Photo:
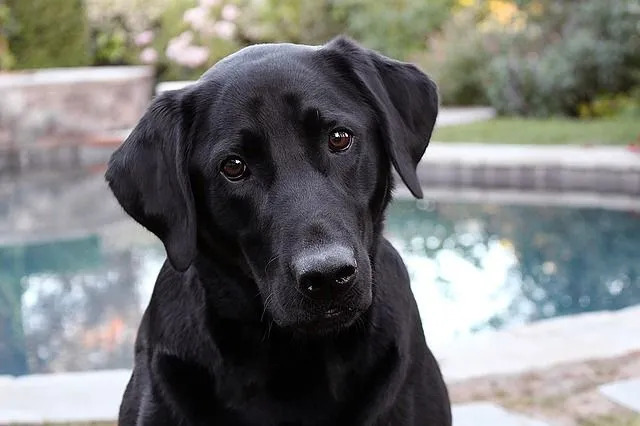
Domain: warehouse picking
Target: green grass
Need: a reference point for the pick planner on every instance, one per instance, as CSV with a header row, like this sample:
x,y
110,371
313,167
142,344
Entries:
x,y
619,131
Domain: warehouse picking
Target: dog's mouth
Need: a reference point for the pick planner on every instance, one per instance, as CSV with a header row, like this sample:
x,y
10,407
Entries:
x,y
334,313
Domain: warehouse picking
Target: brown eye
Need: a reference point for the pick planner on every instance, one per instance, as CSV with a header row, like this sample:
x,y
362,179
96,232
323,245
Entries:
x,y
340,140
233,168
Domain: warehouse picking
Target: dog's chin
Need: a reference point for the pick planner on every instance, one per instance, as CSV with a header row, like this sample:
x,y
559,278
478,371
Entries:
x,y
328,323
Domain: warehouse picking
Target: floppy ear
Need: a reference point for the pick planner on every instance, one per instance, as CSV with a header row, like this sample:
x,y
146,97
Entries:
x,y
404,98
149,177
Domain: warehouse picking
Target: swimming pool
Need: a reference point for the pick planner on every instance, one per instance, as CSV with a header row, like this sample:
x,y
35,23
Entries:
x,y
75,273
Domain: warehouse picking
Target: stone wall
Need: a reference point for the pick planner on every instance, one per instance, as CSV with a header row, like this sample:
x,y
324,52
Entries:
x,y
102,98
46,116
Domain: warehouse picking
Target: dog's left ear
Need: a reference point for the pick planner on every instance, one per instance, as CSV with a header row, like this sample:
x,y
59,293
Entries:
x,y
149,176
404,98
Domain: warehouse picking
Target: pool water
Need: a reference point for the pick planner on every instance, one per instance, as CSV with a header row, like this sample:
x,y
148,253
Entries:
x,y
76,274
481,267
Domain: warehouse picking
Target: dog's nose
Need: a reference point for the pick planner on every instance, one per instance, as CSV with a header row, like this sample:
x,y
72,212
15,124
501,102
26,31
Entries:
x,y
326,272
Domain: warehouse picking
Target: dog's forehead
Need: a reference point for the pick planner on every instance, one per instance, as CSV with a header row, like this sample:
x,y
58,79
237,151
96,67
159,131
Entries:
x,y
261,83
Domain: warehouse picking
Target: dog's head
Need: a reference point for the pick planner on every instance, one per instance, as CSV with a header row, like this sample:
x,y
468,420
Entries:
x,y
278,161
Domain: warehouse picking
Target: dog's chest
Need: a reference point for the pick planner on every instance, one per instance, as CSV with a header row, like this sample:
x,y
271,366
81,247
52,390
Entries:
x,y
294,390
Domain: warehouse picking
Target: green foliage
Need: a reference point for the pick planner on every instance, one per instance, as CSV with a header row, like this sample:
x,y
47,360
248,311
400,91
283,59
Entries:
x,y
304,21
7,25
457,60
51,33
111,47
618,105
397,28
567,56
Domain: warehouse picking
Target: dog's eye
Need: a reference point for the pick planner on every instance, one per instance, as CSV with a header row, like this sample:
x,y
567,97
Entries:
x,y
340,140
233,168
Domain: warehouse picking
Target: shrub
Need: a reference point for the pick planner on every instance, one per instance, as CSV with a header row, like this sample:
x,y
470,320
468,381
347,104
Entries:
x,y
115,24
397,28
457,59
618,105
50,33
566,57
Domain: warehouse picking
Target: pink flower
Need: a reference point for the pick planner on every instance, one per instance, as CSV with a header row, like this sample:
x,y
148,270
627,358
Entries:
x,y
224,29
193,56
181,51
149,55
196,17
230,12
177,44
144,38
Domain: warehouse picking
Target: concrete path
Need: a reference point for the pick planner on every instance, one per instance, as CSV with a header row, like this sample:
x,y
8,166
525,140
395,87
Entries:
x,y
450,116
65,397
625,393
487,414
543,344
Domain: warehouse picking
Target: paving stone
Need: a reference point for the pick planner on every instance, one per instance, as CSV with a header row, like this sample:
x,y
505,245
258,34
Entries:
x,y
518,349
8,417
624,392
487,414
64,397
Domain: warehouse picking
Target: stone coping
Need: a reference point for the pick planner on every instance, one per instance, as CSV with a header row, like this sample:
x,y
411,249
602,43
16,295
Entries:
x,y
560,168
501,155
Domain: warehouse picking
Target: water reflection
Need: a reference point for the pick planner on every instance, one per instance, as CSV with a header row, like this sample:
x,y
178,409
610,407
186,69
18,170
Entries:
x,y
499,265
75,273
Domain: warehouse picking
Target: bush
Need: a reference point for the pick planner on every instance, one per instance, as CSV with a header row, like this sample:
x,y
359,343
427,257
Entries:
x,y
618,105
457,59
50,33
566,57
116,23
397,28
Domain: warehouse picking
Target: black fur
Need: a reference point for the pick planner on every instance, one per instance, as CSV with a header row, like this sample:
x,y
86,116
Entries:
x,y
228,337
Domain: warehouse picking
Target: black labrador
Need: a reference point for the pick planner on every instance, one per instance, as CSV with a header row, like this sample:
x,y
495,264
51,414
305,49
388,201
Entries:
x,y
281,303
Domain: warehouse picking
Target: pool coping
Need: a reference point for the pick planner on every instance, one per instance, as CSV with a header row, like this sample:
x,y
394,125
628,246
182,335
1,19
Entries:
x,y
551,169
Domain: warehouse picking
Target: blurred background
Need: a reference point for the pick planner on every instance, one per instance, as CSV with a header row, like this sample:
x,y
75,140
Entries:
x,y
524,255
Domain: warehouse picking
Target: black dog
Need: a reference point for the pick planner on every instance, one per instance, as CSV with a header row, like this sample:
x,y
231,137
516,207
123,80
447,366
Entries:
x,y
281,303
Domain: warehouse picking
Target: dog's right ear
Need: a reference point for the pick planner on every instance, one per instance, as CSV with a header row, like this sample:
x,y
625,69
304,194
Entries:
x,y
149,176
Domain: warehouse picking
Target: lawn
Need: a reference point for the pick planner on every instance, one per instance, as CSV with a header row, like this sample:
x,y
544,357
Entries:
x,y
619,131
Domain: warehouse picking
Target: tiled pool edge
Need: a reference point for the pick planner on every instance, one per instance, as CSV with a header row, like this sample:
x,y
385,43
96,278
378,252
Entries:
x,y
550,169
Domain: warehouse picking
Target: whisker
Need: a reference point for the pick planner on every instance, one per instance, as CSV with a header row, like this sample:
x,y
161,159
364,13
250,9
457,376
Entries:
x,y
274,258
266,304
